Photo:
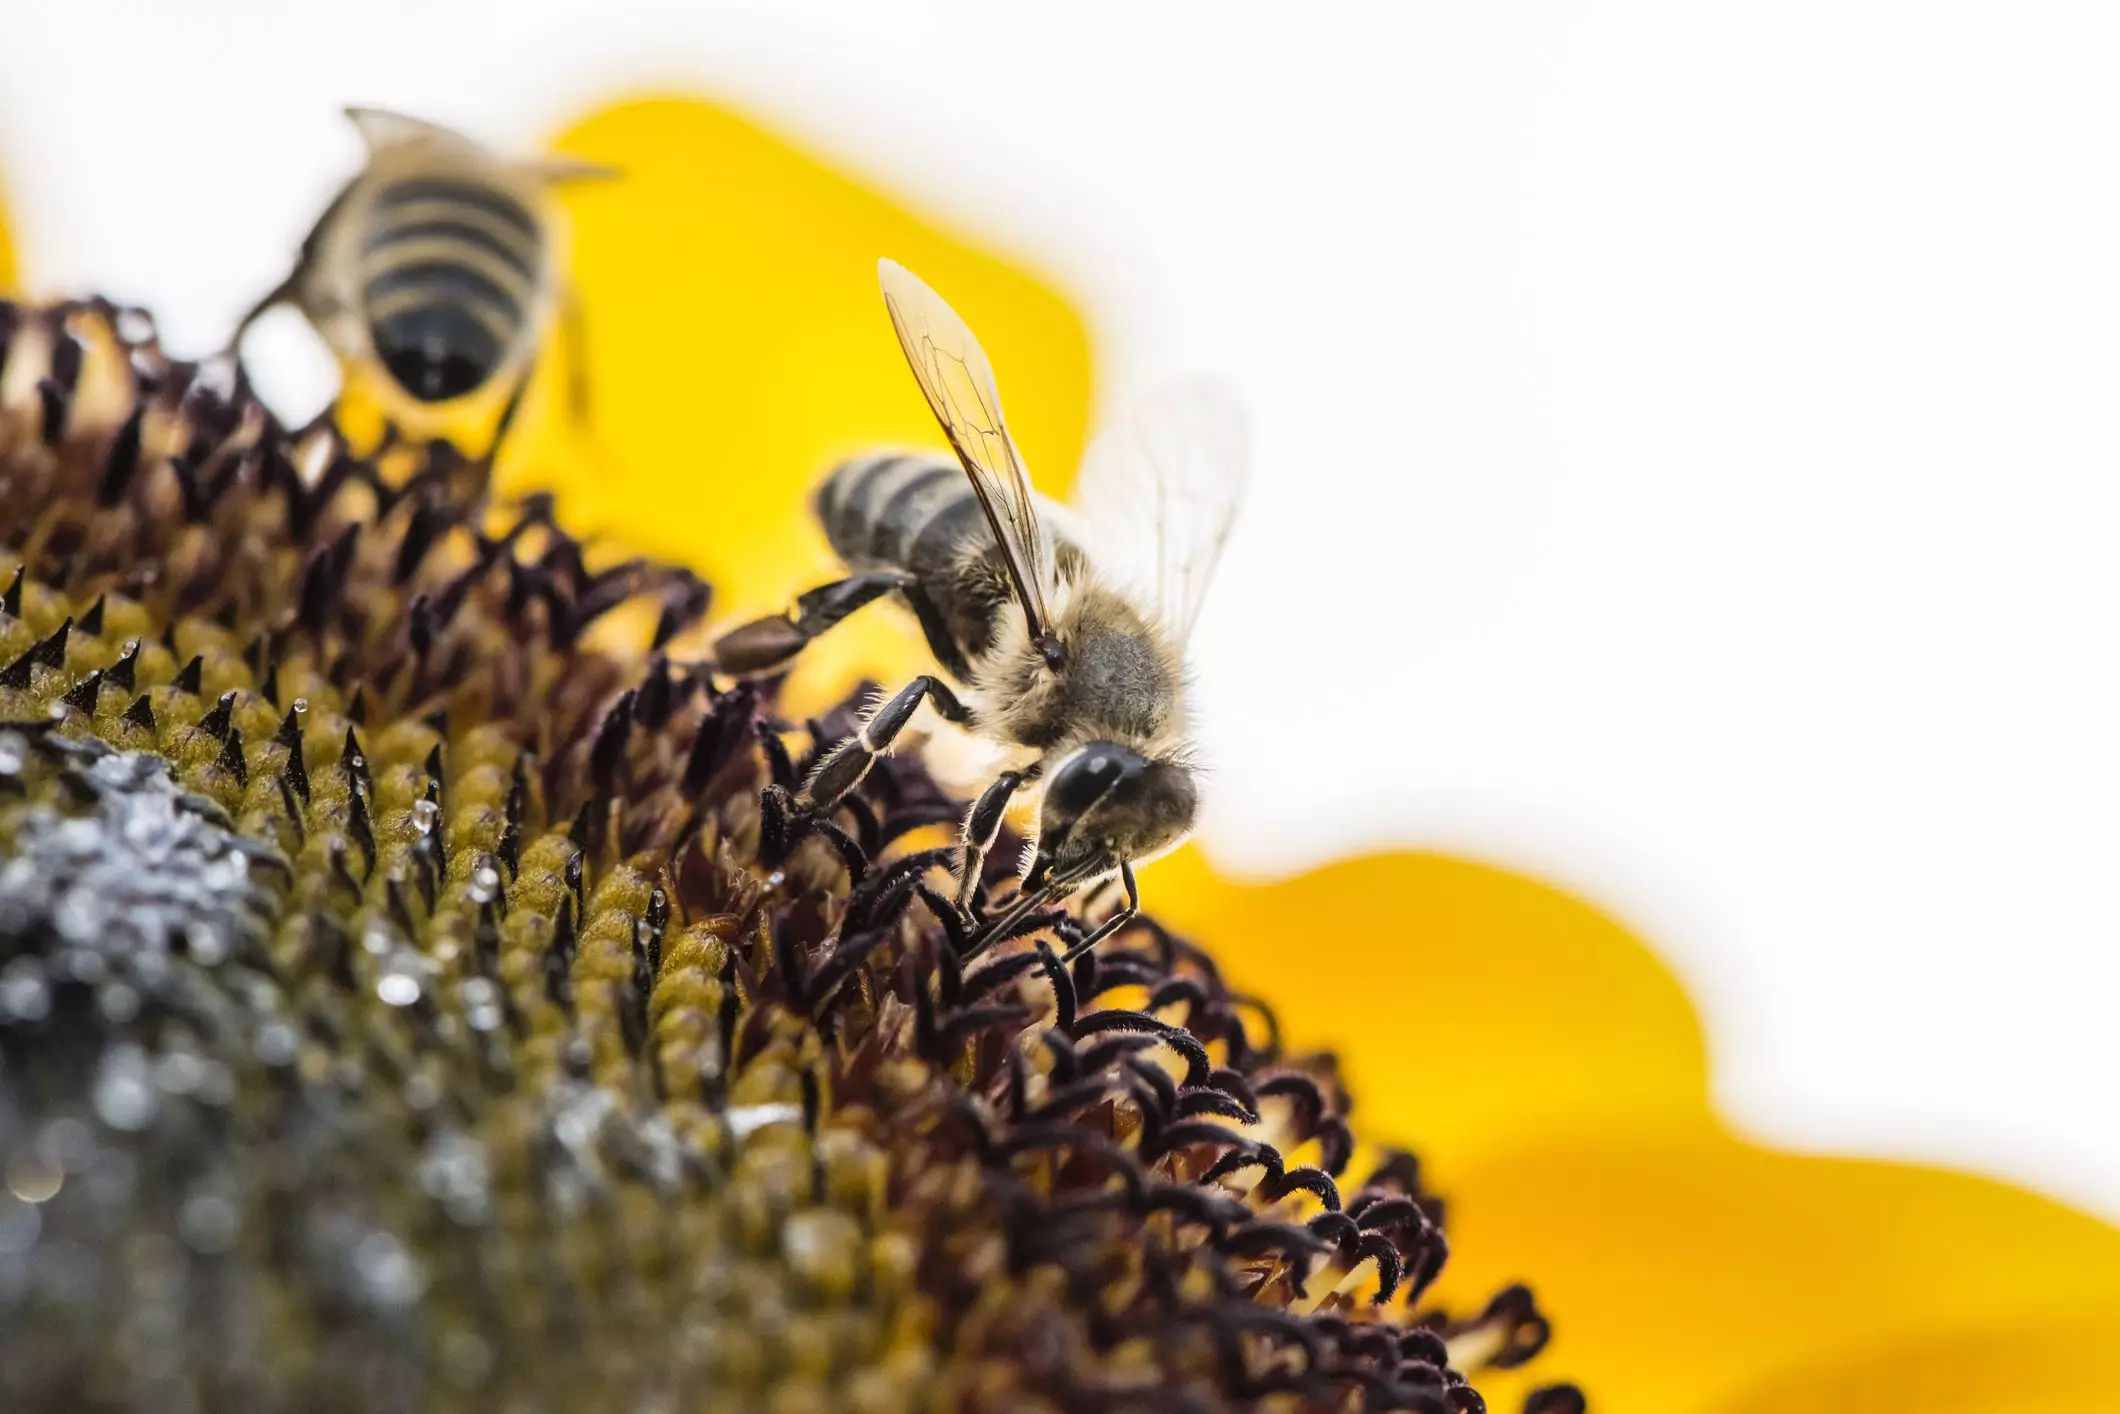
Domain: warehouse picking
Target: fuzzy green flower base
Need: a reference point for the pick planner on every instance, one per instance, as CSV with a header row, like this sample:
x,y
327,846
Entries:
x,y
406,1003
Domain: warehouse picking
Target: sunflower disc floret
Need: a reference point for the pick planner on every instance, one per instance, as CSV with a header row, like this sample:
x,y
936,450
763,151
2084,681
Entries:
x,y
414,993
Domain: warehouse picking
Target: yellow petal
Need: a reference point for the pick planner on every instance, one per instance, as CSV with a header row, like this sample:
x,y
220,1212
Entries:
x,y
737,346
1687,1271
1551,1074
1470,1006
2065,1362
7,255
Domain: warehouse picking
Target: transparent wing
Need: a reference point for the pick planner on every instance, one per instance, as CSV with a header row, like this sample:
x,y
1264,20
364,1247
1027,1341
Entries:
x,y
382,129
959,382
1159,492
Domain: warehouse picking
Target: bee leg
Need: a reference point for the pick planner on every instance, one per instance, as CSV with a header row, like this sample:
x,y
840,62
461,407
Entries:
x,y
1119,919
981,827
513,406
766,643
842,769
574,331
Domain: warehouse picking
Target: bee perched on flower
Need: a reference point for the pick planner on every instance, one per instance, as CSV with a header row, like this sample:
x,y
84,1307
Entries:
x,y
406,1002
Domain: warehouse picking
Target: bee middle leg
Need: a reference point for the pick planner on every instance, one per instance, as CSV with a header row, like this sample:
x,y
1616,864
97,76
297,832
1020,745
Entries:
x,y
764,644
845,765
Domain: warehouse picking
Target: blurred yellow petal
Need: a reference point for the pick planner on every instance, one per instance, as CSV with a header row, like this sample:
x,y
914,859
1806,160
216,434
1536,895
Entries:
x,y
1551,1074
2061,1363
1469,1006
736,347
1693,1272
7,254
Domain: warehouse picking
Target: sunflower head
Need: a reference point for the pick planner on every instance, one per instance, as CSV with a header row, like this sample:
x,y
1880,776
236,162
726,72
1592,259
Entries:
x,y
414,994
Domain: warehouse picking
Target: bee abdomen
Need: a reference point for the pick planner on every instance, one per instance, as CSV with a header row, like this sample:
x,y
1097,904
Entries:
x,y
449,279
912,512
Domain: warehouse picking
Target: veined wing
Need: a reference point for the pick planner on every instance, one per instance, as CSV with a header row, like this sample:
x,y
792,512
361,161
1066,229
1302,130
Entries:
x,y
953,372
1159,492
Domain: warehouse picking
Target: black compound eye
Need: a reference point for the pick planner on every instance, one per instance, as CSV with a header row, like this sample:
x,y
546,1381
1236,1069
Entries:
x,y
1089,777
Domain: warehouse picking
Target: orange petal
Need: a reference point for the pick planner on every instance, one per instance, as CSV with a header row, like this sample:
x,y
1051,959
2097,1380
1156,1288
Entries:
x,y
736,347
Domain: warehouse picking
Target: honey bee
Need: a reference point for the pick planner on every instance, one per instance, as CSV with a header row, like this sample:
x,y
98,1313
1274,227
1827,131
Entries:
x,y
437,265
1064,627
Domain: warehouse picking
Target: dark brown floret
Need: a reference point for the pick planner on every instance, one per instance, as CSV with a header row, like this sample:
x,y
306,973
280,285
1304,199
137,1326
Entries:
x,y
415,993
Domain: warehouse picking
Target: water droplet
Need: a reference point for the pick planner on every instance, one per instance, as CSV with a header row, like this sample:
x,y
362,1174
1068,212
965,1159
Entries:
x,y
485,884
276,1044
301,705
86,967
423,813
25,994
123,1097
481,1003
13,752
389,1273
208,1223
179,1073
398,988
205,945
34,1177
453,1171
118,1003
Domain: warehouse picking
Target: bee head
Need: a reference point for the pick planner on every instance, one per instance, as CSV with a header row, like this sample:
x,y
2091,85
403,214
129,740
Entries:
x,y
1106,806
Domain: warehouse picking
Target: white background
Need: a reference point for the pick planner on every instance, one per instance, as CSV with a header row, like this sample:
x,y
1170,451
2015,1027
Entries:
x,y
1688,438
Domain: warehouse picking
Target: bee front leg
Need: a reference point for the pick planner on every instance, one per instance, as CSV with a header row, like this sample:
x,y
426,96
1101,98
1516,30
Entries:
x,y
981,827
764,644
1119,919
845,765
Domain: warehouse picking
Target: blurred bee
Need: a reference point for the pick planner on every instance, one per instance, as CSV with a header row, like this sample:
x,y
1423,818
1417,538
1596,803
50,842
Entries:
x,y
436,265
1070,659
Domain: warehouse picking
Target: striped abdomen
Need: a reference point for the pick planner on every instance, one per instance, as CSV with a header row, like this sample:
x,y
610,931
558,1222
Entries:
x,y
915,513
449,277
920,514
